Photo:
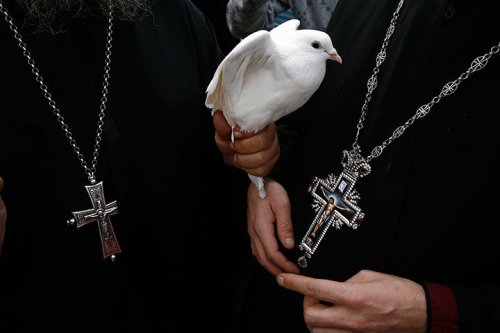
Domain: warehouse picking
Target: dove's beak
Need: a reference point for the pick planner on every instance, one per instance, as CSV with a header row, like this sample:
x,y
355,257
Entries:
x,y
334,56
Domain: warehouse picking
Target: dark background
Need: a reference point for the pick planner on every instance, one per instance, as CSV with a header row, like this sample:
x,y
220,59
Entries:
x,y
216,12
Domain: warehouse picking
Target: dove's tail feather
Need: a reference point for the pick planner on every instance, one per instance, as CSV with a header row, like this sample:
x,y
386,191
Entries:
x,y
259,182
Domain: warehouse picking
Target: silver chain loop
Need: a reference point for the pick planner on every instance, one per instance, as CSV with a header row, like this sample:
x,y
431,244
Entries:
x,y
90,171
448,89
373,80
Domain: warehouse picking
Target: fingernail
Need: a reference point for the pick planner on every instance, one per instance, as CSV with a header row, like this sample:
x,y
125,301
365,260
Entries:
x,y
289,242
281,280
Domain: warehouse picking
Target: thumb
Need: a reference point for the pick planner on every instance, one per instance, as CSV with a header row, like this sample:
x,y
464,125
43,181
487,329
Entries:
x,y
221,125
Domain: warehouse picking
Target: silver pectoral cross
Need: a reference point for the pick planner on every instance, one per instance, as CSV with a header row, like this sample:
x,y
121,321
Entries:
x,y
335,202
101,214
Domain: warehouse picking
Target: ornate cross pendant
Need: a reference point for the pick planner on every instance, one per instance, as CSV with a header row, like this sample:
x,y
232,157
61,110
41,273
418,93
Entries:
x,y
335,202
101,214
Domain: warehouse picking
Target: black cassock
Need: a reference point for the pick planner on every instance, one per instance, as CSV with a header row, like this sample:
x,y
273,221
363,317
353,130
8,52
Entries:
x,y
157,159
431,196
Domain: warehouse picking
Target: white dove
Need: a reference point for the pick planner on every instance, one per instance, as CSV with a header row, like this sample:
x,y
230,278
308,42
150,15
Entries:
x,y
268,75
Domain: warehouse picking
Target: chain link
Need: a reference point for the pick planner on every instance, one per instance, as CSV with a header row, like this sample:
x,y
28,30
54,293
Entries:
x,y
373,80
449,88
89,170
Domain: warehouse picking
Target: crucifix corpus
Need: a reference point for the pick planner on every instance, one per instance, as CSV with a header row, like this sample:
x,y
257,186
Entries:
x,y
335,204
101,214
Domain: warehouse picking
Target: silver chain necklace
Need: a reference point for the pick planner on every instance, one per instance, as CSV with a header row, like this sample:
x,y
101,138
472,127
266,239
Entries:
x,y
101,211
335,201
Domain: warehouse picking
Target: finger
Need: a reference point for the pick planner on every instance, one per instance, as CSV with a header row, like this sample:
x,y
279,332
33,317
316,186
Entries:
x,y
269,242
261,221
249,143
260,254
316,314
264,214
268,265
223,139
329,318
256,149
259,154
324,290
260,164
229,161
239,134
222,127
309,302
272,255
284,225
338,319
224,145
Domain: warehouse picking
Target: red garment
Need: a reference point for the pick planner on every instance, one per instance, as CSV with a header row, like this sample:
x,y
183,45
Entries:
x,y
442,309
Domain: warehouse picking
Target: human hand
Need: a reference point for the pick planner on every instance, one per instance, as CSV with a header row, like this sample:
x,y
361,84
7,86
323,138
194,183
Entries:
x,y
3,216
368,302
256,153
265,217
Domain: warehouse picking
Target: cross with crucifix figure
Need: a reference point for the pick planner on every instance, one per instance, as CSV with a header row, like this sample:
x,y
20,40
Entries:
x,y
335,204
101,214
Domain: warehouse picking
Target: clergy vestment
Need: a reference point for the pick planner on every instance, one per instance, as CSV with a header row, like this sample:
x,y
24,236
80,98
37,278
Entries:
x,y
157,159
430,199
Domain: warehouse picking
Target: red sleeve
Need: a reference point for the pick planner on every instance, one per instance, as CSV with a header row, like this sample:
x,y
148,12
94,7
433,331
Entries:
x,y
442,312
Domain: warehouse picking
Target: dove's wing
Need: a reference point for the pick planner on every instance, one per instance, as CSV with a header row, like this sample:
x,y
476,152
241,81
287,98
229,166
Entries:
x,y
286,27
226,85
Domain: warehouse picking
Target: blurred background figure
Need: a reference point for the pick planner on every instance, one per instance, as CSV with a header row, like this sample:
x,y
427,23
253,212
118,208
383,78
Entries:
x,y
247,16
283,17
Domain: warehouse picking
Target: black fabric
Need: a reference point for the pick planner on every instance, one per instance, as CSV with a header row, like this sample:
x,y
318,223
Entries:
x,y
157,159
429,200
216,11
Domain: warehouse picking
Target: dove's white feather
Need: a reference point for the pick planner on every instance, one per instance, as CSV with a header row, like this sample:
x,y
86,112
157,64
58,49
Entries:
x,y
228,81
268,75
287,27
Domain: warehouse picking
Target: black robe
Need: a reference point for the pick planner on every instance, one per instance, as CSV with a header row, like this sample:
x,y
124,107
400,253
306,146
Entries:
x,y
431,196
157,159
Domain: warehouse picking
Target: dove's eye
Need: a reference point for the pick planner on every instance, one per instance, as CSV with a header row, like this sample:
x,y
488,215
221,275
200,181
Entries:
x,y
316,45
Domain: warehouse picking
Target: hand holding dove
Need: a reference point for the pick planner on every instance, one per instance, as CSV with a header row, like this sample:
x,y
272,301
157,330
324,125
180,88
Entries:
x,y
268,75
